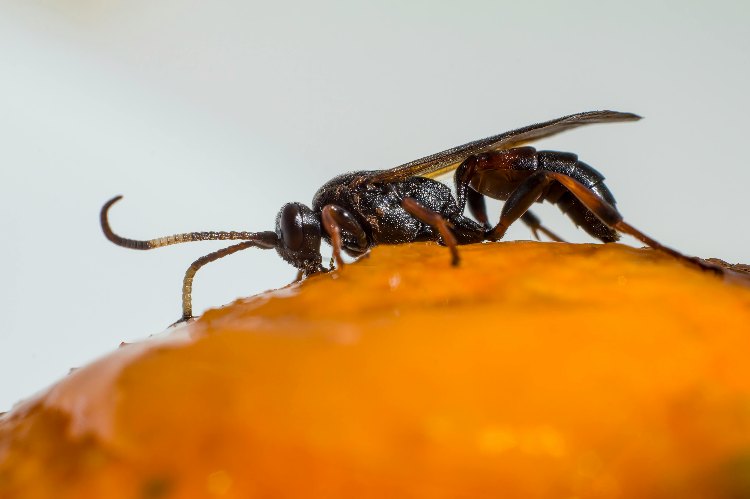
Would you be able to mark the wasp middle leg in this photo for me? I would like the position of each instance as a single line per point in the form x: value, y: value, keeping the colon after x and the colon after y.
x: 435, y: 220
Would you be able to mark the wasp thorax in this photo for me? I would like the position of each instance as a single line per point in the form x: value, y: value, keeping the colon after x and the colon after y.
x: 298, y: 229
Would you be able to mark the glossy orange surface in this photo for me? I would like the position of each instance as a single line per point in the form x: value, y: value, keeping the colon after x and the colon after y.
x: 531, y: 371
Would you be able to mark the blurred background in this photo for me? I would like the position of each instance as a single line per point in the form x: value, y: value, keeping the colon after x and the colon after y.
x: 211, y: 115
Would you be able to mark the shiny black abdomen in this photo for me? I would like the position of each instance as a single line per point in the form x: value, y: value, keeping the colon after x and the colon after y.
x: 570, y: 165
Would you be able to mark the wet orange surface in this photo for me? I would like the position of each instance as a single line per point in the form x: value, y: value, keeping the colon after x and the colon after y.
x: 533, y: 370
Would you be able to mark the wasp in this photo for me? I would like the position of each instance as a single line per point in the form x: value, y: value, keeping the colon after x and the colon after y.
x: 355, y: 211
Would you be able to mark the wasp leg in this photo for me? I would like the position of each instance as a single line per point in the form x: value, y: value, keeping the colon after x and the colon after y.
x: 519, y: 202
x: 498, y: 174
x: 610, y: 216
x: 463, y: 175
x: 338, y: 221
x: 533, y: 222
x: 436, y: 221
x: 477, y: 207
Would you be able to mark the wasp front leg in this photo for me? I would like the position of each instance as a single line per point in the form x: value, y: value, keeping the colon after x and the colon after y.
x: 345, y: 232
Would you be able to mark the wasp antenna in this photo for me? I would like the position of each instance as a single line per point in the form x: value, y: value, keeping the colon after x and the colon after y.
x: 168, y: 240
x: 263, y: 240
x: 187, y: 282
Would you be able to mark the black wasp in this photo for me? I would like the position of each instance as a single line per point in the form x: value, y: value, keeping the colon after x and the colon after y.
x: 356, y: 211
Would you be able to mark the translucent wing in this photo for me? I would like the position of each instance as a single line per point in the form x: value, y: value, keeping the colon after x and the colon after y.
x: 445, y: 161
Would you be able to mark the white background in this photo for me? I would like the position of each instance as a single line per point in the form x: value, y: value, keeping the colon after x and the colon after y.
x: 211, y: 115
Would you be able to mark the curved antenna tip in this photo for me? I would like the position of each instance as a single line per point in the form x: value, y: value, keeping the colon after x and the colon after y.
x: 111, y: 202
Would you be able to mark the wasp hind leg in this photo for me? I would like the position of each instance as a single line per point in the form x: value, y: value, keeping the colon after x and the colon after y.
x: 519, y: 202
x: 529, y: 191
x: 533, y: 222
x: 478, y: 209
x: 610, y: 216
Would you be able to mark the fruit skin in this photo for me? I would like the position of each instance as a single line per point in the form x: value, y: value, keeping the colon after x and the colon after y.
x: 531, y: 371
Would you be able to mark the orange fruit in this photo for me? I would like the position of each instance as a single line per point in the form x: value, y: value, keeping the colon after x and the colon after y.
x: 530, y: 371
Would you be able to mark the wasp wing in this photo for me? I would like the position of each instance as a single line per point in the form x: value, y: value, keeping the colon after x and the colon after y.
x: 445, y: 161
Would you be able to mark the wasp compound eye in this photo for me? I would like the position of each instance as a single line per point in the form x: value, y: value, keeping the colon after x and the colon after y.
x: 290, y: 225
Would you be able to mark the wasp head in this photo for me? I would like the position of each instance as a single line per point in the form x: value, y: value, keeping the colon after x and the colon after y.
x: 298, y: 231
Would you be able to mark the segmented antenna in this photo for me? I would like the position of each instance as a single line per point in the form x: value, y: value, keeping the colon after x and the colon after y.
x: 263, y: 240
x: 187, y: 282
x: 148, y: 244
